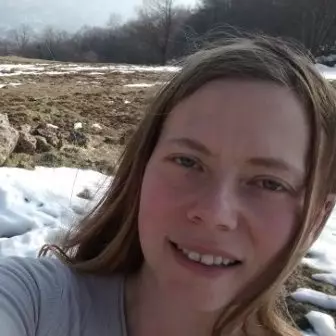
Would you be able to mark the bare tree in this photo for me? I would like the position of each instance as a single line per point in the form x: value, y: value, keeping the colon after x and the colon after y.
x: 156, y: 23
x: 21, y: 37
x: 318, y: 23
x: 5, y: 47
x: 114, y: 21
x: 54, y: 43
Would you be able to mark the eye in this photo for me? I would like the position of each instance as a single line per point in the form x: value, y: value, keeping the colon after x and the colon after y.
x: 186, y: 162
x: 270, y: 185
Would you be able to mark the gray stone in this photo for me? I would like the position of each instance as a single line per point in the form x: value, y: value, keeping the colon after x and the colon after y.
x: 8, y: 138
x: 85, y: 194
x: 26, y: 143
x: 50, y: 134
x: 78, y: 138
x: 42, y: 145
x: 26, y: 128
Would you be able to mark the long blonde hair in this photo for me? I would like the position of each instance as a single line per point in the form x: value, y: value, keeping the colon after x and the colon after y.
x: 107, y: 240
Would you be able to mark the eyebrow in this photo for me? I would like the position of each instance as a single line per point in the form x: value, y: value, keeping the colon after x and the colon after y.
x: 192, y: 144
x: 265, y: 162
x: 273, y: 163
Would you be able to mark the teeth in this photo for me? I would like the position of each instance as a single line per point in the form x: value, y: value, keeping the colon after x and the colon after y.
x: 218, y: 260
x: 227, y: 262
x: 194, y: 256
x: 206, y: 259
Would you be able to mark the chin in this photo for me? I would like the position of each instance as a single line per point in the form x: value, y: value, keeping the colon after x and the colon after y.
x: 201, y: 297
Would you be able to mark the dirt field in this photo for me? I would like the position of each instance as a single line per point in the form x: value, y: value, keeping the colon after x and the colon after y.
x: 96, y: 97
x: 88, y: 98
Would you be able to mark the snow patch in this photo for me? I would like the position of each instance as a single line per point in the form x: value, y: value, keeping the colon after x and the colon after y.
x: 78, y: 125
x: 323, y: 324
x: 328, y: 72
x: 139, y: 85
x: 96, y: 126
x: 52, y: 126
x: 322, y: 255
x: 316, y: 298
x: 9, y: 84
x: 329, y: 278
x: 36, y: 205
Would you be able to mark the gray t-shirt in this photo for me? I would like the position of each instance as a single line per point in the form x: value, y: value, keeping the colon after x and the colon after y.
x: 44, y: 297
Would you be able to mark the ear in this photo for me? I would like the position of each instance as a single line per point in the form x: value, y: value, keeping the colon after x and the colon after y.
x: 322, y: 218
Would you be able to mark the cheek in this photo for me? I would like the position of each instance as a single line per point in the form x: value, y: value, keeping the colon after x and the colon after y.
x: 275, y: 220
x: 158, y: 205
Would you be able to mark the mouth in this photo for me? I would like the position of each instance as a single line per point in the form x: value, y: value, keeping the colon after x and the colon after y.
x: 209, y: 261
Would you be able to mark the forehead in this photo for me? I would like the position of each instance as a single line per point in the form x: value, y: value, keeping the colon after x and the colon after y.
x: 244, y: 117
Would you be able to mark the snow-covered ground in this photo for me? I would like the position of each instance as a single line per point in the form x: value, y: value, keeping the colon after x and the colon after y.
x: 34, y: 205
x: 54, y: 69
x: 327, y: 72
x: 51, y: 69
x: 37, y: 205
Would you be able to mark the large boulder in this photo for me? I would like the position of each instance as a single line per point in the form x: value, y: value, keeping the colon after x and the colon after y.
x: 8, y: 138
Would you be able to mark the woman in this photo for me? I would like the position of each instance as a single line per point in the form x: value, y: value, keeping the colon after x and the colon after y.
x: 227, y: 182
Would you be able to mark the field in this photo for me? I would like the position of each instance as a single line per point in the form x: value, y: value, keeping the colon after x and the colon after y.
x: 98, y: 100
x: 86, y: 114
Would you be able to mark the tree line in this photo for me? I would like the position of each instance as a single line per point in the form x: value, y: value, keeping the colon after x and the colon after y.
x: 162, y: 31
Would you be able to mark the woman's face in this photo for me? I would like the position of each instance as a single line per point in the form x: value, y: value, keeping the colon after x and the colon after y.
x: 223, y: 190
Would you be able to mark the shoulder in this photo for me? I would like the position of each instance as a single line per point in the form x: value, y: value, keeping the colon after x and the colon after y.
x: 47, y: 295
x: 30, y: 289
x: 40, y: 273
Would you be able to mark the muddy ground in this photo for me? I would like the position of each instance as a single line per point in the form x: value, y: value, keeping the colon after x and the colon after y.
x: 63, y: 100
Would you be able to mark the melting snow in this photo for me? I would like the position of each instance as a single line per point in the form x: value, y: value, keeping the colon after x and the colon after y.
x: 323, y: 324
x: 78, y: 125
x: 316, y: 298
x: 52, y: 126
x: 142, y: 85
x: 35, y: 205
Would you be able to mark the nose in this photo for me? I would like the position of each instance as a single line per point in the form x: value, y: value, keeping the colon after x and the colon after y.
x: 216, y: 207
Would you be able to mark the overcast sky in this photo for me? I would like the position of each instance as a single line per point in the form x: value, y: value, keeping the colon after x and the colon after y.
x: 66, y: 14
x: 126, y: 7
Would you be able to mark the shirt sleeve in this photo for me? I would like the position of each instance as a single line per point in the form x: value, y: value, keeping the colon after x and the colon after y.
x: 23, y: 282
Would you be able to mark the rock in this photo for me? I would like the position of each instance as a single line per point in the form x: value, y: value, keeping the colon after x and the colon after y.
x: 96, y: 128
x: 70, y: 149
x: 8, y: 138
x: 111, y: 140
x: 42, y: 145
x: 126, y: 135
x: 50, y: 134
x: 78, y: 138
x: 26, y: 143
x: 105, y: 166
x: 26, y: 128
x: 85, y: 194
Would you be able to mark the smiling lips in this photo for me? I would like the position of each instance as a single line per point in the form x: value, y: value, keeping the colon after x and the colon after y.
x: 206, y: 258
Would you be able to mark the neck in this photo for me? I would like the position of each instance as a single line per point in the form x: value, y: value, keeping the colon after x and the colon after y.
x: 150, y: 311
